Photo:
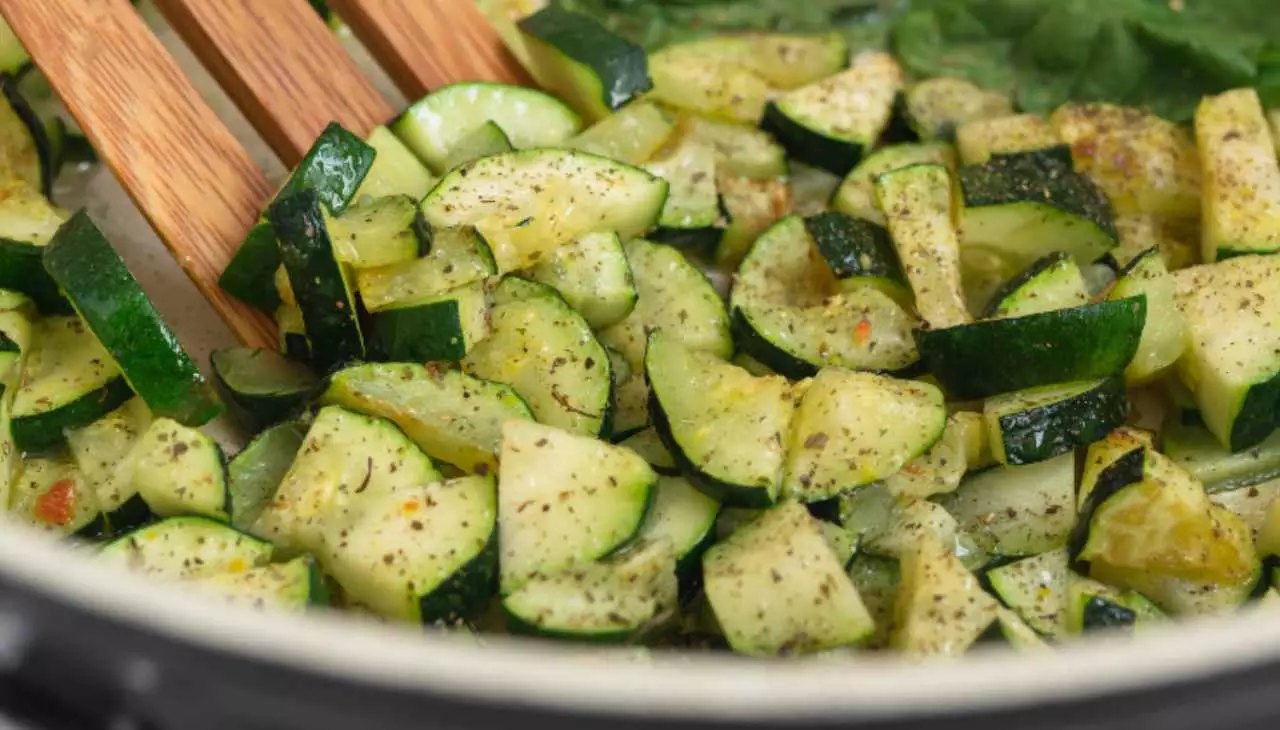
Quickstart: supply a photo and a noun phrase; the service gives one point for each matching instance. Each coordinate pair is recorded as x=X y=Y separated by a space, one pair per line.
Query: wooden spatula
x=186 y=172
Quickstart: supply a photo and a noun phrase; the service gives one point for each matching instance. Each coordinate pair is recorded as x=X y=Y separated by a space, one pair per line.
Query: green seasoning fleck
x=117 y=310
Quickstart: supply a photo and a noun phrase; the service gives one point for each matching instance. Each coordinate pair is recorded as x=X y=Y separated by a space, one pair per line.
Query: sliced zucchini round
x=100 y=451
x=692 y=211
x=187 y=548
x=726 y=428
x=1053 y=282
x=254 y=474
x=851 y=429
x=1002 y=355
x=789 y=314
x=1164 y=335
x=527 y=204
x=433 y=328
x=119 y=313
x=266 y=387
x=741 y=151
x=379 y=232
x=452 y=416
x=776 y=587
x=565 y=499
x=860 y=253
x=856 y=194
x=1017 y=510
x=686 y=518
x=181 y=471
x=832 y=123
x=1036 y=589
x=458 y=256
x=594 y=277
x=632 y=134
x=545 y=350
x=1033 y=425
x=435 y=125
x=584 y=62
x=937 y=107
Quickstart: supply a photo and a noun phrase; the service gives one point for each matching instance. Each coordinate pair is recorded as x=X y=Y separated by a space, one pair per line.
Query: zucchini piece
x=435 y=328
x=436 y=125
x=741 y=151
x=180 y=471
x=483 y=141
x=692 y=211
x=292 y=336
x=17 y=327
x=254 y=474
x=876 y=580
x=1145 y=164
x=978 y=140
x=422 y=552
x=851 y=429
x=319 y=280
x=594 y=277
x=1240 y=207
x=458 y=256
x=751 y=207
x=832 y=123
x=293 y=586
x=1017 y=510
x=120 y=315
x=346 y=460
x=1230 y=361
x=1164 y=336
x=648 y=444
x=811 y=189
x=917 y=203
x=784 y=60
x=697 y=399
x=564 y=499
x=789 y=314
x=396 y=169
x=584 y=62
x=1035 y=588
x=335 y=168
x=856 y=194
x=686 y=518
x=545 y=350
x=26 y=216
x=452 y=416
x=249 y=275
x=1094 y=606
x=631 y=404
x=860 y=253
x=265 y=387
x=997 y=356
x=521 y=201
x=68 y=382
x=103 y=453
x=52 y=495
x=1183 y=597
x=14 y=59
x=1028 y=426
x=777 y=588
x=25 y=148
x=22 y=270
x=674 y=296
x=1024 y=207
x=937 y=107
x=688 y=77
x=1196 y=449
x=610 y=601
x=632 y=134
x=379 y=232
x=186 y=548
x=1053 y=282
x=941 y=609
x=938 y=470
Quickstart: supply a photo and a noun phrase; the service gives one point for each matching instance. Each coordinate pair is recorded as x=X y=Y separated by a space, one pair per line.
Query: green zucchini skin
x=1259 y=415
x=752 y=343
x=238 y=373
x=254 y=474
x=1101 y=614
x=334 y=167
x=249 y=275
x=422 y=333
x=621 y=67
x=467 y=590
x=1043 y=432
x=717 y=489
x=319 y=283
x=44 y=431
x=117 y=310
x=1130 y=468
x=834 y=155
x=998 y=356
x=853 y=247
x=46 y=152
x=22 y=270
x=1025 y=277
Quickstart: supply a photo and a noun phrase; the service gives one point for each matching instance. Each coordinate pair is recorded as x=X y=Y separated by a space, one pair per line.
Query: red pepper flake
x=58 y=505
x=862 y=332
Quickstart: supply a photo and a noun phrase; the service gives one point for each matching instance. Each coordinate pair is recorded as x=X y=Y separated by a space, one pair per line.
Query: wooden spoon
x=281 y=65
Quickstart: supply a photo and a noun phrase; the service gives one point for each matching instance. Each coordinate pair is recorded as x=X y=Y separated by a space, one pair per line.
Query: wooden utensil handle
x=282 y=66
x=426 y=44
x=187 y=173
